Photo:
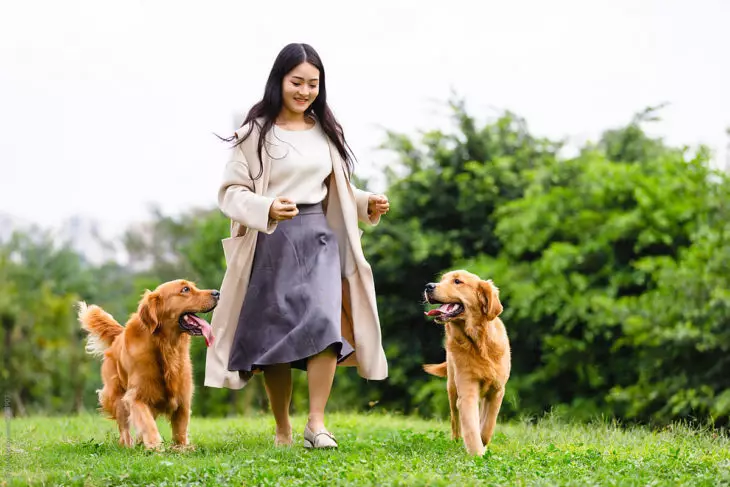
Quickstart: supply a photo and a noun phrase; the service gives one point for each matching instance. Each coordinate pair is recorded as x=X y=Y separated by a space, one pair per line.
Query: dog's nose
x=215 y=294
x=430 y=287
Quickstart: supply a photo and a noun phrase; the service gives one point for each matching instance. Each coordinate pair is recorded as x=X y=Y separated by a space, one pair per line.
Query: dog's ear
x=489 y=299
x=149 y=309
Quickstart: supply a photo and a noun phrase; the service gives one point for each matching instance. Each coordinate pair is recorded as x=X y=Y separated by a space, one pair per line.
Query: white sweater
x=300 y=163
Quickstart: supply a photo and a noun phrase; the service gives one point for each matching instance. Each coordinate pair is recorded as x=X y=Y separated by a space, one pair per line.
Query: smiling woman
x=295 y=92
x=297 y=289
x=300 y=89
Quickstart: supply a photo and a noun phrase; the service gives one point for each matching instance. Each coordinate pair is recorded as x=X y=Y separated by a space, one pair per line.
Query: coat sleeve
x=237 y=198
x=361 y=200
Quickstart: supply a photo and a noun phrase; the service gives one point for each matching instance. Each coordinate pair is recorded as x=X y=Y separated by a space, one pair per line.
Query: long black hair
x=291 y=56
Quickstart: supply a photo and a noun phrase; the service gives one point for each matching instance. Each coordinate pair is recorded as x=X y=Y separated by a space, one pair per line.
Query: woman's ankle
x=283 y=429
x=315 y=422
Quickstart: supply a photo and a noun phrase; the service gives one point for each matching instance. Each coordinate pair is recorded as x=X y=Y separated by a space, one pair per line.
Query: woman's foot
x=283 y=437
x=318 y=438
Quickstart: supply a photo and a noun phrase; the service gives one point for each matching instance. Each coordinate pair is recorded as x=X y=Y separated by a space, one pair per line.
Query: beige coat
x=242 y=200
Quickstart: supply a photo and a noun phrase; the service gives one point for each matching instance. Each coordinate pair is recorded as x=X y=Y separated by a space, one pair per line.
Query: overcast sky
x=106 y=107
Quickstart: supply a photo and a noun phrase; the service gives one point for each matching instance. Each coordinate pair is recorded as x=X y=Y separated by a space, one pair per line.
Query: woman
x=298 y=291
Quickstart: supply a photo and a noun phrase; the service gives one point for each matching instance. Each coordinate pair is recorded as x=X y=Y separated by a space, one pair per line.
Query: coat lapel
x=340 y=211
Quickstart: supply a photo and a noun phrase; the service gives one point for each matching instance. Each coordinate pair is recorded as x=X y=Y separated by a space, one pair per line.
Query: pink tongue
x=205 y=328
x=444 y=308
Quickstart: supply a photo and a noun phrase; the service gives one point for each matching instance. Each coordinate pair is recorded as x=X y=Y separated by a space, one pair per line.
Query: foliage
x=612 y=264
x=442 y=212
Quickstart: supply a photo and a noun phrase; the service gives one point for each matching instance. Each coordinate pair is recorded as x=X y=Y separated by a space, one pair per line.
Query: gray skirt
x=292 y=308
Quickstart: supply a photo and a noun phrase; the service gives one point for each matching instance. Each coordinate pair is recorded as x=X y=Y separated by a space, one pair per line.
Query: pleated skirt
x=292 y=308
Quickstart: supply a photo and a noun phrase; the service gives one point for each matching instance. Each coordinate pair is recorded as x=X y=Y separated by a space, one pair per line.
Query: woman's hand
x=282 y=209
x=377 y=205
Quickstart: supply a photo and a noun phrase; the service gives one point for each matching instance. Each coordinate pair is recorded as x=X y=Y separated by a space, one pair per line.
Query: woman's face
x=300 y=87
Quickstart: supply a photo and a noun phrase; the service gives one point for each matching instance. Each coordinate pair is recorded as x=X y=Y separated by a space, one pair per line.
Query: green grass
x=374 y=450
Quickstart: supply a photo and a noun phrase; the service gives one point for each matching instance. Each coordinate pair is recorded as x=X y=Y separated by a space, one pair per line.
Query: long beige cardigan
x=241 y=199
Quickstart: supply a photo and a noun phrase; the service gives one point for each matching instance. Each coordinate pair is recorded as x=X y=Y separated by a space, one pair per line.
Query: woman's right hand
x=282 y=209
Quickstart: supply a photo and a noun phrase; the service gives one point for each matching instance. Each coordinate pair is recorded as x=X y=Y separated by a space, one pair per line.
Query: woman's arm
x=237 y=199
x=362 y=200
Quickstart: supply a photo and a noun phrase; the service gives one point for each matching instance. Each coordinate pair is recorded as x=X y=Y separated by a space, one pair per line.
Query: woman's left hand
x=377 y=205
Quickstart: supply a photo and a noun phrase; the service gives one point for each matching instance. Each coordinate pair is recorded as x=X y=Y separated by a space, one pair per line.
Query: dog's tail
x=102 y=328
x=438 y=370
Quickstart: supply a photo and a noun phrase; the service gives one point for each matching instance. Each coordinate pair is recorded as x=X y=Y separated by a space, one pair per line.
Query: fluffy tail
x=102 y=328
x=436 y=369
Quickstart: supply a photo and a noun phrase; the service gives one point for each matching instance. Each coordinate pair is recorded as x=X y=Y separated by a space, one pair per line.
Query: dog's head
x=173 y=306
x=462 y=294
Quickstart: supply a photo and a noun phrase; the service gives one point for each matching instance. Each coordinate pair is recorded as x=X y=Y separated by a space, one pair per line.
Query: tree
x=605 y=311
x=444 y=196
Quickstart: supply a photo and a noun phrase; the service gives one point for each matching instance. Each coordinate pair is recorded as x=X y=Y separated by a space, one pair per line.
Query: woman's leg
x=320 y=374
x=277 y=379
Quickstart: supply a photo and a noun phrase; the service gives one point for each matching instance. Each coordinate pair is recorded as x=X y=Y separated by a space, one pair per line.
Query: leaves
x=613 y=270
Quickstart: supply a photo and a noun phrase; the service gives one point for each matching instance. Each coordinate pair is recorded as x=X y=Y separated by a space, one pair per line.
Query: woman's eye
x=297 y=84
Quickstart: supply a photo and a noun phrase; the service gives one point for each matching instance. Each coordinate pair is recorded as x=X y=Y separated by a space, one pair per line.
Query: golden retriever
x=477 y=354
x=146 y=368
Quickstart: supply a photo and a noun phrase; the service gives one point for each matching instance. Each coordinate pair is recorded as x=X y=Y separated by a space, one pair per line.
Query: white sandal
x=323 y=439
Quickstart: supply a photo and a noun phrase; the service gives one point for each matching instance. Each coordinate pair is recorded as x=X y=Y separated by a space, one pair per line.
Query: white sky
x=106 y=107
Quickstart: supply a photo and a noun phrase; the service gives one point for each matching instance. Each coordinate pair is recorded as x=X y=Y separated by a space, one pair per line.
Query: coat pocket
x=238 y=251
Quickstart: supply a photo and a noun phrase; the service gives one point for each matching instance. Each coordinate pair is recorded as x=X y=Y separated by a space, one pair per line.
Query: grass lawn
x=374 y=450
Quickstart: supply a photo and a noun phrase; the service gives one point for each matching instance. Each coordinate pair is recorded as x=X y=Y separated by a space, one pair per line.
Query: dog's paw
x=478 y=451
x=126 y=440
x=180 y=448
x=154 y=444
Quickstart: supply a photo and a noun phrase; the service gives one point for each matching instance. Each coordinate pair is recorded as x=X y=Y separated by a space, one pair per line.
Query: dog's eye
x=458 y=281
x=186 y=289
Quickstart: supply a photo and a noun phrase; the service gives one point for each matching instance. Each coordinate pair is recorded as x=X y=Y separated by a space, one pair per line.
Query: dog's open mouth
x=446 y=311
x=197 y=326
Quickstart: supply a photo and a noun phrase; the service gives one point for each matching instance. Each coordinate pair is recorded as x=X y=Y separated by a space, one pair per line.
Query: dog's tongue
x=205 y=328
x=443 y=309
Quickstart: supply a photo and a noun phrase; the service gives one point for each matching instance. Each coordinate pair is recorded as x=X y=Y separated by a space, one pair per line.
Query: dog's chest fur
x=478 y=356
x=173 y=364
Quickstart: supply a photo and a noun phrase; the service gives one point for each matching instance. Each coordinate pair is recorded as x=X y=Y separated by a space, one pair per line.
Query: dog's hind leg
x=110 y=399
x=490 y=410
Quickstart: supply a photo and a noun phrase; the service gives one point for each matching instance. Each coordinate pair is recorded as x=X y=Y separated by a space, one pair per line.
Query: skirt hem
x=301 y=362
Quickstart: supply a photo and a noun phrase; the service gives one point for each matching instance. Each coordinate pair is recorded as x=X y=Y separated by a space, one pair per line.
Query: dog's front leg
x=453 y=398
x=468 y=404
x=490 y=410
x=122 y=417
x=180 y=420
x=143 y=420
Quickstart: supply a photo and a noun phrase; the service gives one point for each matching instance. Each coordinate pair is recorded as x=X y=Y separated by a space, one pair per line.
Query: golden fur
x=146 y=367
x=478 y=359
